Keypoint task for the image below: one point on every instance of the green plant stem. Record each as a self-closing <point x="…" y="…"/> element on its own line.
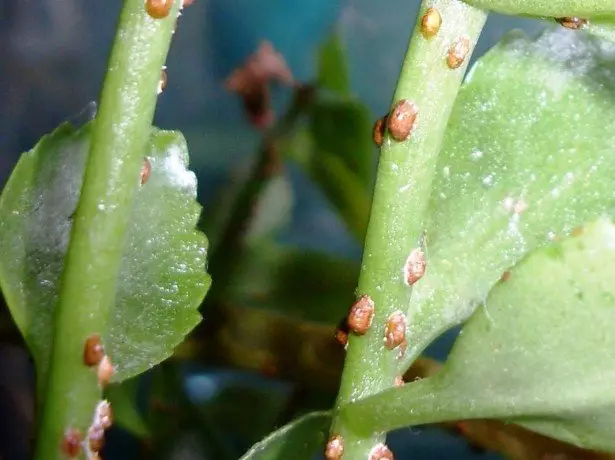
<point x="402" y="191"/>
<point x="550" y="8"/>
<point x="89" y="278"/>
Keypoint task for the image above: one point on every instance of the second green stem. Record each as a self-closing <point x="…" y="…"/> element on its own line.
<point x="430" y="81"/>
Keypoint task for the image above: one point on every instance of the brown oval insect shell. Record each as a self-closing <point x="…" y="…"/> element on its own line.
<point x="96" y="438"/>
<point x="379" y="130"/>
<point x="335" y="448"/>
<point x="158" y="9"/>
<point x="395" y="330"/>
<point x="93" y="350"/>
<point x="162" y="84"/>
<point x="361" y="315"/>
<point x="415" y="266"/>
<point x="381" y="452"/>
<point x="401" y="120"/>
<point x="458" y="52"/>
<point x="430" y="23"/>
<point x="572" y="22"/>
<point x="146" y="170"/>
<point x="105" y="371"/>
<point x="71" y="443"/>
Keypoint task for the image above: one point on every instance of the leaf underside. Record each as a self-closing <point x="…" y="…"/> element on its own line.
<point x="162" y="279"/>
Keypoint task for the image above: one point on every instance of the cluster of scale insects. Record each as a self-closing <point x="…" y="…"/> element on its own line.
<point x="400" y="123"/>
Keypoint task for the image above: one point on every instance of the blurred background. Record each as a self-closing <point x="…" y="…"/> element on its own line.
<point x="52" y="62"/>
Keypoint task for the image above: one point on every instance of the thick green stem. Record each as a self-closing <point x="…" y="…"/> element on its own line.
<point x="550" y="8"/>
<point x="401" y="195"/>
<point x="89" y="278"/>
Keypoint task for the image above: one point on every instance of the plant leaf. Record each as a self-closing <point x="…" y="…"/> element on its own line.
<point x="332" y="66"/>
<point x="123" y="400"/>
<point x="540" y="353"/>
<point x="527" y="157"/>
<point x="307" y="285"/>
<point x="162" y="279"/>
<point x="298" y="440"/>
<point x="603" y="27"/>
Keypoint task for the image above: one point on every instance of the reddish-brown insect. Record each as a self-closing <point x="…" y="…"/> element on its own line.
<point x="381" y="452"/>
<point x="458" y="52"/>
<point x="105" y="371"/>
<point x="395" y="330"/>
<point x="335" y="448"/>
<point x="71" y="442"/>
<point x="415" y="266"/>
<point x="379" y="130"/>
<point x="162" y="83"/>
<point x="572" y="22"/>
<point x="146" y="170"/>
<point x="431" y="22"/>
<point x="401" y="120"/>
<point x="158" y="9"/>
<point x="96" y="438"/>
<point x="93" y="350"/>
<point x="361" y="315"/>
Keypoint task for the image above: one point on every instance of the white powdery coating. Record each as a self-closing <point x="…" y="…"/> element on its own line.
<point x="175" y="168"/>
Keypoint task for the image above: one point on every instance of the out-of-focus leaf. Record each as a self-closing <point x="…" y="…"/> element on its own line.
<point x="273" y="210"/>
<point x="298" y="440"/>
<point x="162" y="279"/>
<point x="540" y="353"/>
<point x="342" y="128"/>
<point x="332" y="66"/>
<point x="306" y="285"/>
<point x="123" y="399"/>
<point x="343" y="188"/>
<point x="528" y="156"/>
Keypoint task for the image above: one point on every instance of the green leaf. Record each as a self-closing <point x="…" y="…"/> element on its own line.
<point x="603" y="27"/>
<point x="527" y="156"/>
<point x="306" y="285"/>
<point x="162" y="279"/>
<point x="298" y="440"/>
<point x="343" y="188"/>
<point x="123" y="399"/>
<point x="540" y="353"/>
<point x="342" y="127"/>
<point x="332" y="66"/>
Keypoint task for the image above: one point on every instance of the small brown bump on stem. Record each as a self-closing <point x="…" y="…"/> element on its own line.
<point x="458" y="52"/>
<point x="361" y="315"/>
<point x="71" y="443"/>
<point x="146" y="170"/>
<point x="104" y="415"/>
<point x="162" y="83"/>
<point x="335" y="448"/>
<point x="395" y="330"/>
<point x="105" y="371"/>
<point x="572" y="22"/>
<point x="158" y="9"/>
<point x="577" y="231"/>
<point x="399" y="381"/>
<point x="187" y="3"/>
<point x="431" y="22"/>
<point x="381" y="452"/>
<point x="93" y="350"/>
<point x="505" y="276"/>
<point x="401" y="120"/>
<point x="341" y="336"/>
<point x="379" y="130"/>
<point x="415" y="266"/>
<point x="96" y="438"/>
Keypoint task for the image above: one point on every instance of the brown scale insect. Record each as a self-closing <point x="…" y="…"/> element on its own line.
<point x="379" y="130"/>
<point x="430" y="23"/>
<point x="572" y="22"/>
<point x="361" y="315"/>
<point x="158" y="9"/>
<point x="341" y="333"/>
<point x="401" y="120"/>
<point x="335" y="448"/>
<point x="71" y="442"/>
<point x="458" y="52"/>
<point x="381" y="452"/>
<point x="505" y="276"/>
<point x="399" y="381"/>
<point x="93" y="350"/>
<point x="395" y="330"/>
<point x="96" y="438"/>
<point x="162" y="83"/>
<point x="415" y="266"/>
<point x="146" y="170"/>
<point x="105" y="371"/>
